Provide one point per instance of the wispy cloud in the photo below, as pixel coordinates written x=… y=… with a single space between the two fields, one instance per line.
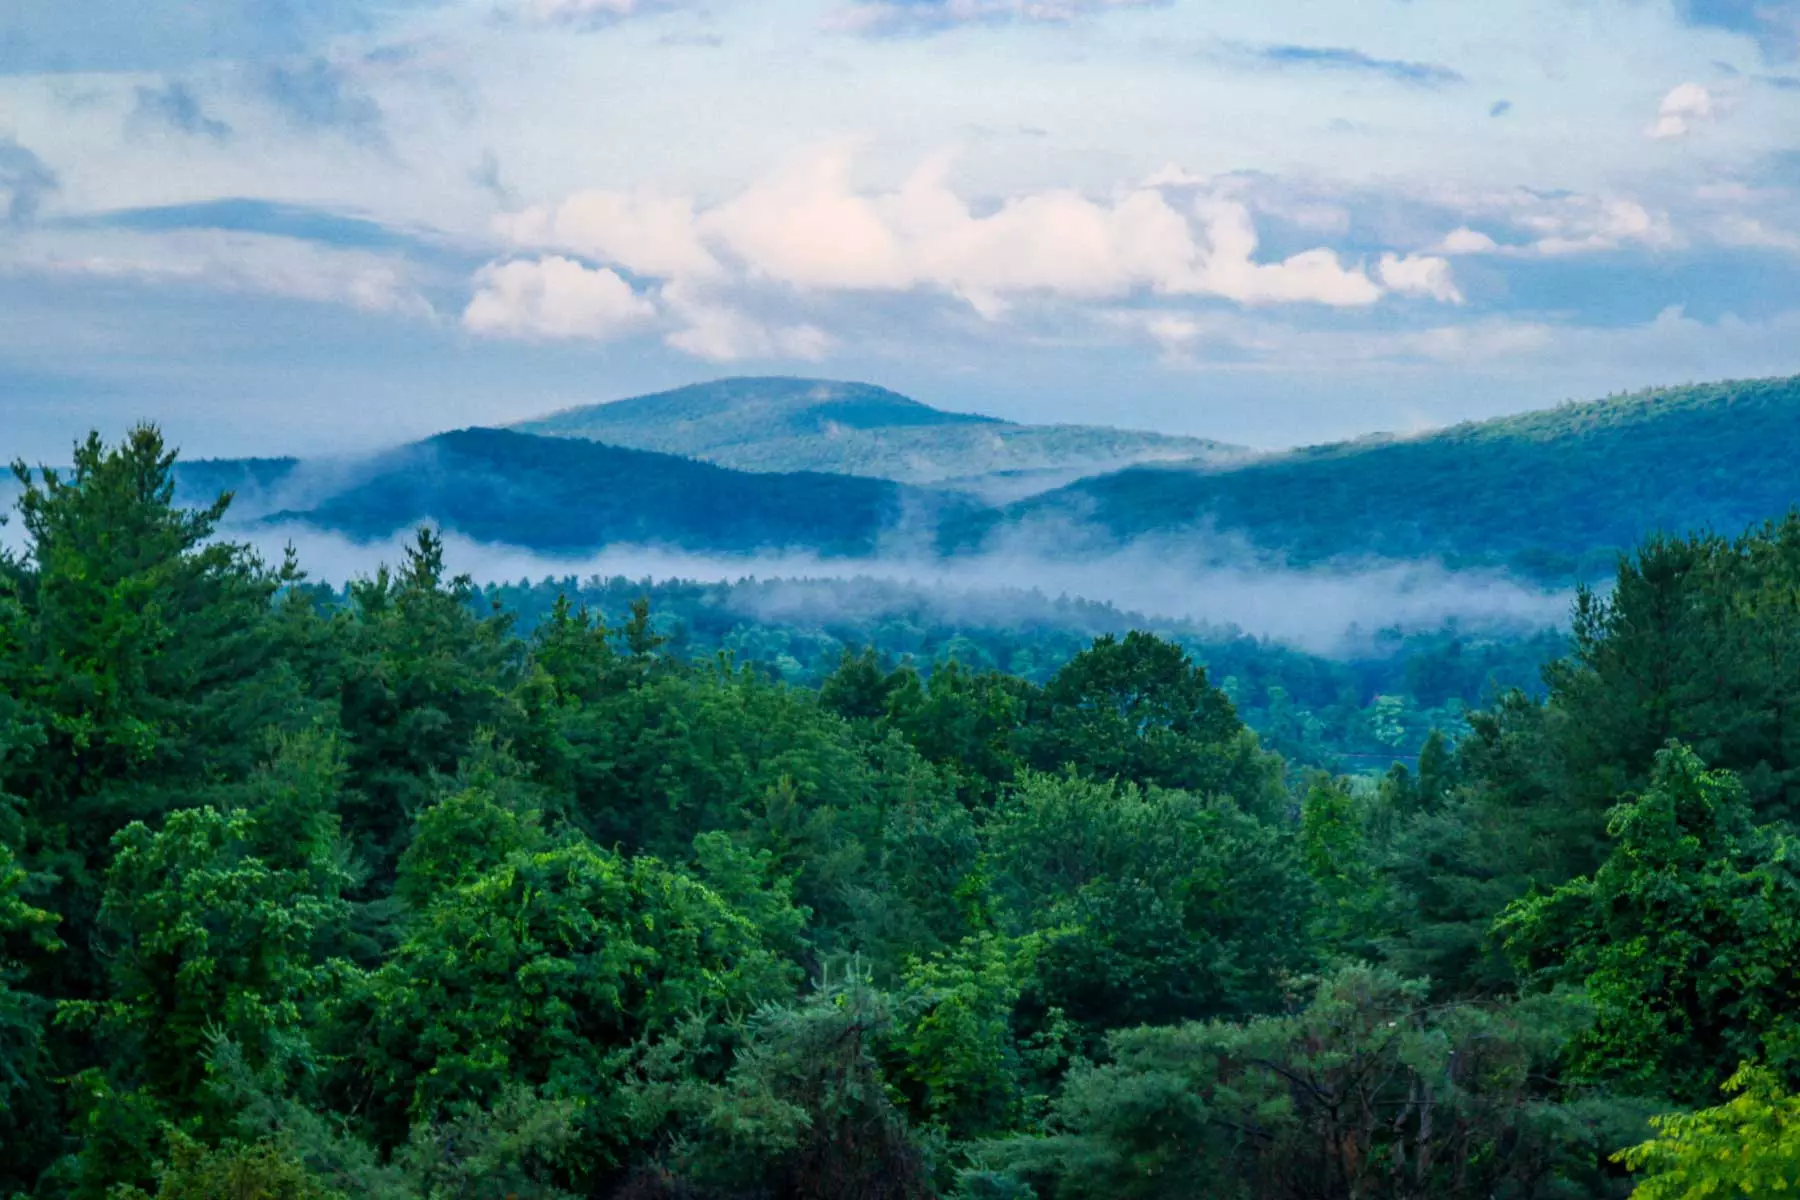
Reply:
x=175 y=106
x=930 y=16
x=25 y=180
x=318 y=94
x=1500 y=108
x=1344 y=58
x=1773 y=24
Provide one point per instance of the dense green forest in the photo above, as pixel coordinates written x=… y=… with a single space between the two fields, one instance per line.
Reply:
x=309 y=895
x=1555 y=494
x=1358 y=711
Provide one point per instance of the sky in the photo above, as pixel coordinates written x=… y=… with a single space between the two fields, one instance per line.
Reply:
x=310 y=226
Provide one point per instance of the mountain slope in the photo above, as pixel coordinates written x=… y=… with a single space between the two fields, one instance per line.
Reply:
x=782 y=424
x=560 y=495
x=1555 y=493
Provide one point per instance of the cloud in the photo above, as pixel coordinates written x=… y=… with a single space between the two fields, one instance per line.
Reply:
x=25 y=180
x=932 y=16
x=1500 y=108
x=807 y=228
x=1686 y=106
x=1421 y=275
x=1773 y=24
x=318 y=94
x=1551 y=224
x=174 y=105
x=224 y=261
x=554 y=297
x=719 y=333
x=1343 y=58
x=586 y=12
x=1467 y=241
x=646 y=234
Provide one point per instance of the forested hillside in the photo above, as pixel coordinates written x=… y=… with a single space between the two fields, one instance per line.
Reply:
x=1374 y=703
x=560 y=496
x=314 y=895
x=858 y=429
x=1555 y=494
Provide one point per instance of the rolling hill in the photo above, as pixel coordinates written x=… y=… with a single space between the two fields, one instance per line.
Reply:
x=784 y=425
x=1554 y=494
x=558 y=495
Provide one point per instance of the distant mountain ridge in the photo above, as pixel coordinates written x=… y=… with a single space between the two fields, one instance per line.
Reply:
x=1555 y=493
x=783 y=424
x=566 y=496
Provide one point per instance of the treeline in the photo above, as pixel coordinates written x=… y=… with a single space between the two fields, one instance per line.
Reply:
x=307 y=896
x=1354 y=712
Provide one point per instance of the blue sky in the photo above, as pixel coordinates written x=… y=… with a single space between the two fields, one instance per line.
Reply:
x=310 y=225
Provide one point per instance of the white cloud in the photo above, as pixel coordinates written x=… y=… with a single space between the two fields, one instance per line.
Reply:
x=645 y=234
x=809 y=228
x=225 y=261
x=554 y=297
x=1686 y=106
x=1467 y=241
x=1421 y=275
x=720 y=333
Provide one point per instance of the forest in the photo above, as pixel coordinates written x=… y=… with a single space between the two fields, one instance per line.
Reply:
x=418 y=890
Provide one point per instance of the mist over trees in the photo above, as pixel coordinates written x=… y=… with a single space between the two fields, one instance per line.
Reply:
x=412 y=890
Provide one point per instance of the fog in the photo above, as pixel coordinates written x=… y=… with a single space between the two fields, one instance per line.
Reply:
x=1333 y=609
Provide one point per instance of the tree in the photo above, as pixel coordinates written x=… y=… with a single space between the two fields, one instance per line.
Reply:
x=1139 y=710
x=1685 y=938
x=1369 y=1091
x=204 y=939
x=1749 y=1145
x=545 y=971
x=1155 y=905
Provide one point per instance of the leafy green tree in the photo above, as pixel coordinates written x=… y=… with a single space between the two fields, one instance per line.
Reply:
x=1684 y=937
x=1139 y=710
x=205 y=939
x=28 y=1110
x=1155 y=905
x=1368 y=1091
x=545 y=971
x=1747 y=1146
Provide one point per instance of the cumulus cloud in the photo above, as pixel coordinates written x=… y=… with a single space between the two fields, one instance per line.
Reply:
x=1464 y=240
x=807 y=228
x=646 y=234
x=1686 y=107
x=716 y=331
x=554 y=297
x=929 y=16
x=1421 y=275
x=1552 y=224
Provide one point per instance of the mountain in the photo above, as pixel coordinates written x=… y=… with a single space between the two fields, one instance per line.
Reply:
x=1555 y=494
x=780 y=424
x=559 y=495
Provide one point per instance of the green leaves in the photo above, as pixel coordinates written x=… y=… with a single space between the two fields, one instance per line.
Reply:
x=1685 y=937
x=1747 y=1146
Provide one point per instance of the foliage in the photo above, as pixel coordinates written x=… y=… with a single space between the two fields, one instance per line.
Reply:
x=1684 y=937
x=1749 y=1145
x=418 y=891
